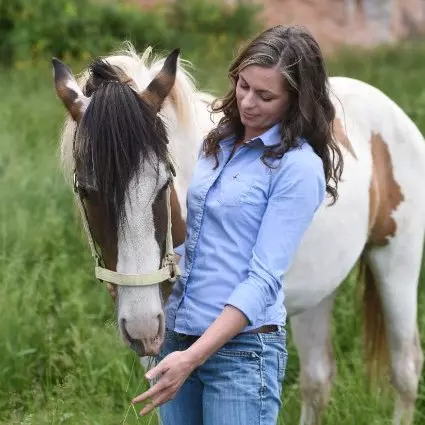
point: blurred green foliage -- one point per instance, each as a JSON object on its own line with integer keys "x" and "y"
{"x": 31, "y": 30}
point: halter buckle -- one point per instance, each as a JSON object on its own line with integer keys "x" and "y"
{"x": 170, "y": 262}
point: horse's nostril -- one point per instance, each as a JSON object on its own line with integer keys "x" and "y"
{"x": 122, "y": 327}
{"x": 124, "y": 331}
{"x": 135, "y": 344}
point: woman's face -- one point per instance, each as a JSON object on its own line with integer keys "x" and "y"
{"x": 261, "y": 98}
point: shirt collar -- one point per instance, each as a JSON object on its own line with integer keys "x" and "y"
{"x": 271, "y": 137}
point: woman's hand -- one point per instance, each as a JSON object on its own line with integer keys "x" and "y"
{"x": 173, "y": 371}
{"x": 177, "y": 366}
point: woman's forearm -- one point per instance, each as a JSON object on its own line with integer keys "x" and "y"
{"x": 228, "y": 324}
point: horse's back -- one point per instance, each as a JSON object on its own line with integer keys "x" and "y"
{"x": 371, "y": 111}
{"x": 384, "y": 156}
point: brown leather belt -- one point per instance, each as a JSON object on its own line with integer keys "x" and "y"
{"x": 265, "y": 329}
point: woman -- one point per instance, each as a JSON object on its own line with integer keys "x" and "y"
{"x": 261, "y": 175}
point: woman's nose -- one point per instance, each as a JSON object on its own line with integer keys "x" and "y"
{"x": 248, "y": 100}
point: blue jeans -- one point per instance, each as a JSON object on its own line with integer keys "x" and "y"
{"x": 241, "y": 384}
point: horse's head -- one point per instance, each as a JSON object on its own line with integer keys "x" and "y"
{"x": 121, "y": 164}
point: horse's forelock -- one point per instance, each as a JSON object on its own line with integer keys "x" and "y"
{"x": 128, "y": 62}
{"x": 116, "y": 135}
{"x": 178, "y": 112}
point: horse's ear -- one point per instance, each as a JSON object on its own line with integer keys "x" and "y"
{"x": 160, "y": 86}
{"x": 68, "y": 90}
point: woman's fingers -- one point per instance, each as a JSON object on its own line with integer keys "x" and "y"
{"x": 150, "y": 393}
{"x": 152, "y": 404}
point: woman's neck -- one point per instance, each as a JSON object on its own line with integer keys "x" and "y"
{"x": 251, "y": 133}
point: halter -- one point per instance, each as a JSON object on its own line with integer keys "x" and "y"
{"x": 169, "y": 268}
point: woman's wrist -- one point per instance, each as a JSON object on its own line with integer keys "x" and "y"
{"x": 196, "y": 355}
{"x": 230, "y": 322}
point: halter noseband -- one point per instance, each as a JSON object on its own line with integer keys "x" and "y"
{"x": 169, "y": 268}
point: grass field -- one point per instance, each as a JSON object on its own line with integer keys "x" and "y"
{"x": 61, "y": 361}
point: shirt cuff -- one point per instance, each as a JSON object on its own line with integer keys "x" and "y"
{"x": 249, "y": 299}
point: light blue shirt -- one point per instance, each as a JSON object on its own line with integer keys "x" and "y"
{"x": 245, "y": 221}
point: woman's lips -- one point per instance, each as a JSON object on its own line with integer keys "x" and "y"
{"x": 248, "y": 116}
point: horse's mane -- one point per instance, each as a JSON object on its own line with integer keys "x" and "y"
{"x": 178, "y": 111}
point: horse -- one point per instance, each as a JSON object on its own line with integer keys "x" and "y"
{"x": 128, "y": 114}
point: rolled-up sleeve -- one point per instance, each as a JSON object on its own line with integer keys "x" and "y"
{"x": 296, "y": 191}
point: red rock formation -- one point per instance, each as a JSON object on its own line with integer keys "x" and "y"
{"x": 334, "y": 22}
{"x": 353, "y": 22}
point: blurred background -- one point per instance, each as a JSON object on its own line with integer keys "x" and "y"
{"x": 61, "y": 360}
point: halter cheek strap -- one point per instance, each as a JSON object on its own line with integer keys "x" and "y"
{"x": 169, "y": 268}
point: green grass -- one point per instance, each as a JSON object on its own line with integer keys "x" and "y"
{"x": 61, "y": 359}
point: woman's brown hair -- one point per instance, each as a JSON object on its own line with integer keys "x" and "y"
{"x": 310, "y": 112}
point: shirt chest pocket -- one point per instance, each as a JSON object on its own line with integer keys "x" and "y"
{"x": 239, "y": 189}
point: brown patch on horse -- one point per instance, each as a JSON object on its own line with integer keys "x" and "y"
{"x": 70, "y": 99}
{"x": 67, "y": 89}
{"x": 160, "y": 217}
{"x": 342, "y": 138}
{"x": 178, "y": 223}
{"x": 158, "y": 89}
{"x": 105, "y": 235}
{"x": 159, "y": 212}
{"x": 161, "y": 85}
{"x": 385, "y": 194}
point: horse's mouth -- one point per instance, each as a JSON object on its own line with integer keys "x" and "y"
{"x": 144, "y": 346}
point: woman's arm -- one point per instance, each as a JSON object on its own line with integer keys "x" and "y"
{"x": 228, "y": 324}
